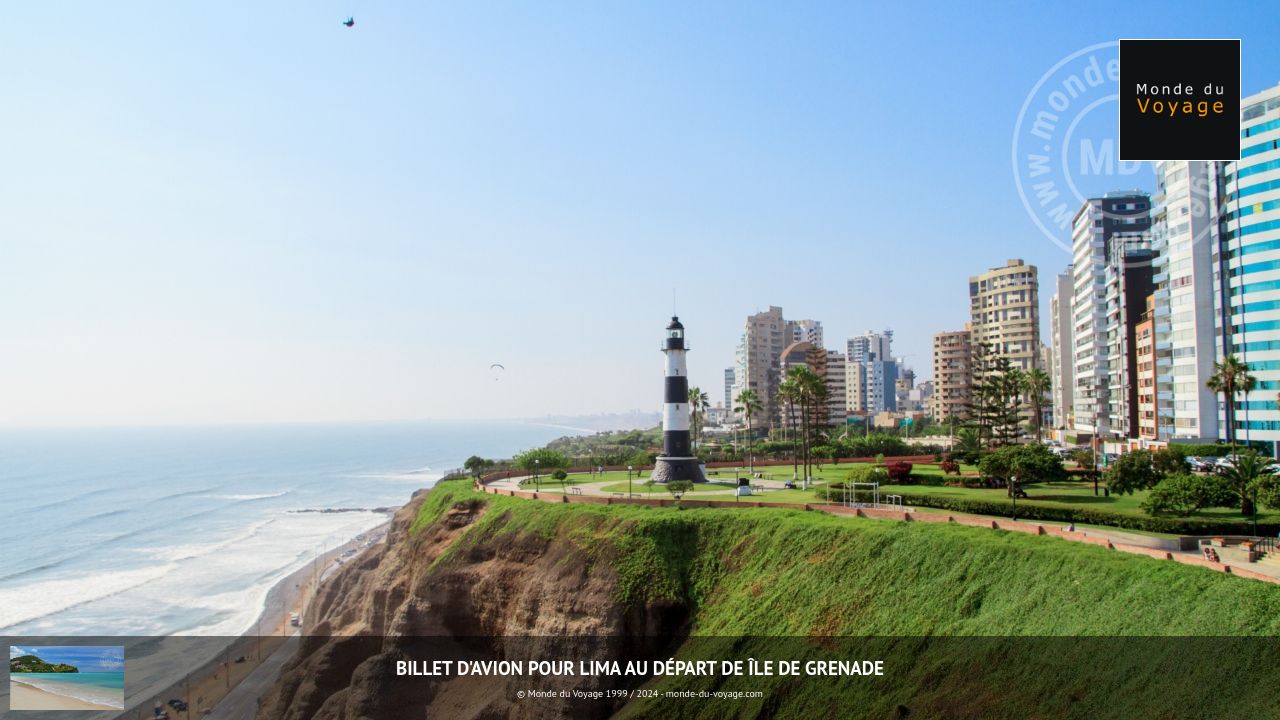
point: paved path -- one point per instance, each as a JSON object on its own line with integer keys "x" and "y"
{"x": 242, "y": 702}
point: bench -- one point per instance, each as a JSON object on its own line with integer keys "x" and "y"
{"x": 619, "y": 495}
{"x": 575, "y": 490}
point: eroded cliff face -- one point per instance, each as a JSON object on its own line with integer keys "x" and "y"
{"x": 450, "y": 590}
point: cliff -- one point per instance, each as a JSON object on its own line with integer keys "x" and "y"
{"x": 478, "y": 576}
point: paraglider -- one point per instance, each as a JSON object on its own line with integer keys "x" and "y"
{"x": 349, "y": 22}
{"x": 496, "y": 370}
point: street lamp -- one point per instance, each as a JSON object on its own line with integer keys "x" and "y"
{"x": 1013, "y": 488}
{"x": 628, "y": 482}
{"x": 537, "y": 486}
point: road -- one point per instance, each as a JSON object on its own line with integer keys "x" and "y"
{"x": 242, "y": 702}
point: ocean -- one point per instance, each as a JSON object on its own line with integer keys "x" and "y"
{"x": 163, "y": 531}
{"x": 101, "y": 688}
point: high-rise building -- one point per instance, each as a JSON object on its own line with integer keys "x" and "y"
{"x": 1128, "y": 284}
{"x": 1004, "y": 313}
{"x": 1145, "y": 345}
{"x": 759, "y": 358}
{"x": 1249, "y": 249}
{"x": 870, "y": 373}
{"x": 805, "y": 331}
{"x": 1063, "y": 364}
{"x": 837, "y": 397}
{"x": 902, "y": 388}
{"x": 1184, "y": 235}
{"x": 952, "y": 375}
{"x": 728, "y": 387}
{"x": 1093, "y": 227}
{"x": 1060, "y": 371}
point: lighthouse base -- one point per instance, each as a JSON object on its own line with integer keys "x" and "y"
{"x": 666, "y": 469}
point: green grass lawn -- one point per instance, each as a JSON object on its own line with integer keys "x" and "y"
{"x": 759, "y": 576}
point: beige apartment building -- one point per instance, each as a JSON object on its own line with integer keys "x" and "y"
{"x": 952, "y": 374}
{"x": 1004, "y": 310}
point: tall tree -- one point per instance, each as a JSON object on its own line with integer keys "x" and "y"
{"x": 788, "y": 394}
{"x": 749, "y": 405}
{"x": 995, "y": 398}
{"x": 699, "y": 403}
{"x": 1244, "y": 475}
{"x": 1036, "y": 383}
{"x": 1231, "y": 376}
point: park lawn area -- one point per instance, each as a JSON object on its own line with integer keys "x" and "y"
{"x": 638, "y": 486}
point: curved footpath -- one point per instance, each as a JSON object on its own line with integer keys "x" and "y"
{"x": 593, "y": 493}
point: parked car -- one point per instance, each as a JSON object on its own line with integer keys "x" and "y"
{"x": 178, "y": 705}
{"x": 1201, "y": 464}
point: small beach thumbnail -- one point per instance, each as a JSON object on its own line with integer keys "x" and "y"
{"x": 69, "y": 677}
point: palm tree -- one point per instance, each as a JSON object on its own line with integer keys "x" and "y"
{"x": 788, "y": 394}
{"x": 1242, "y": 476}
{"x": 811, "y": 391}
{"x": 699, "y": 403}
{"x": 748, "y": 404}
{"x": 1036, "y": 384}
{"x": 1231, "y": 376}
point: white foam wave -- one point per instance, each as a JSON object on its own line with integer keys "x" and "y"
{"x": 261, "y": 496}
{"x": 177, "y": 553}
{"x": 36, "y": 600}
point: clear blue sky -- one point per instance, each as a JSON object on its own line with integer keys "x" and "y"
{"x": 222, "y": 212}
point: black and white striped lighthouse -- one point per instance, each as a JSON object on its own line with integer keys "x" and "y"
{"x": 677, "y": 461}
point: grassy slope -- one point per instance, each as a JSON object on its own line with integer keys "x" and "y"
{"x": 772, "y": 572}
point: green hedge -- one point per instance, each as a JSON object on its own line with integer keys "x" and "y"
{"x": 1170, "y": 525}
{"x": 1173, "y": 526}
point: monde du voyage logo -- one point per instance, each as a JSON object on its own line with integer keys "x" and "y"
{"x": 1179, "y": 100}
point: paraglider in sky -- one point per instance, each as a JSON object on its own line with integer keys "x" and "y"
{"x": 349, "y": 22}
{"x": 496, "y": 370}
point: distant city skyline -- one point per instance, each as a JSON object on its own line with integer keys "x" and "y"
{"x": 248, "y": 213}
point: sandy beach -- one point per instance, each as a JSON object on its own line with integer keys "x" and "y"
{"x": 25, "y": 697}
{"x": 203, "y": 687}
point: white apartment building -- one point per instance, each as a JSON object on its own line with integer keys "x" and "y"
{"x": 1184, "y": 235}
{"x": 1250, "y": 245}
{"x": 1060, "y": 371}
{"x": 1095, "y": 224}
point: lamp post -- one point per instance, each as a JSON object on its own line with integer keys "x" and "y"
{"x": 628, "y": 482}
{"x": 537, "y": 486}
{"x": 1013, "y": 488}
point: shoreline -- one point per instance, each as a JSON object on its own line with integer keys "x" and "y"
{"x": 23, "y": 696}
{"x": 204, "y": 686}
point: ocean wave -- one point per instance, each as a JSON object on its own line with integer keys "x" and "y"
{"x": 178, "y": 553}
{"x": 249, "y": 497}
{"x": 48, "y": 597}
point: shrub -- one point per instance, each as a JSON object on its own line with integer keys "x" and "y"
{"x": 559, "y": 475}
{"x": 865, "y": 473}
{"x": 1184, "y": 493}
{"x": 899, "y": 472}
{"x": 1028, "y": 463}
{"x": 1131, "y": 471}
{"x": 1169, "y": 461}
{"x": 949, "y": 467}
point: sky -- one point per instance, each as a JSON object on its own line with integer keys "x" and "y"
{"x": 87, "y": 658}
{"x": 246, "y": 212}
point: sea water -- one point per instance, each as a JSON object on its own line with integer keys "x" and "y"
{"x": 185, "y": 530}
{"x": 101, "y": 688}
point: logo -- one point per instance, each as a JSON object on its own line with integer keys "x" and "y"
{"x": 1180, "y": 99}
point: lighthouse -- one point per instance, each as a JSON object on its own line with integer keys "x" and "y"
{"x": 677, "y": 461}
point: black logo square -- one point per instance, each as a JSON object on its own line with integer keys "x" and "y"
{"x": 1179, "y": 99}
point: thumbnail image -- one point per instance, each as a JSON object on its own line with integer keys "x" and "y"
{"x": 82, "y": 677}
